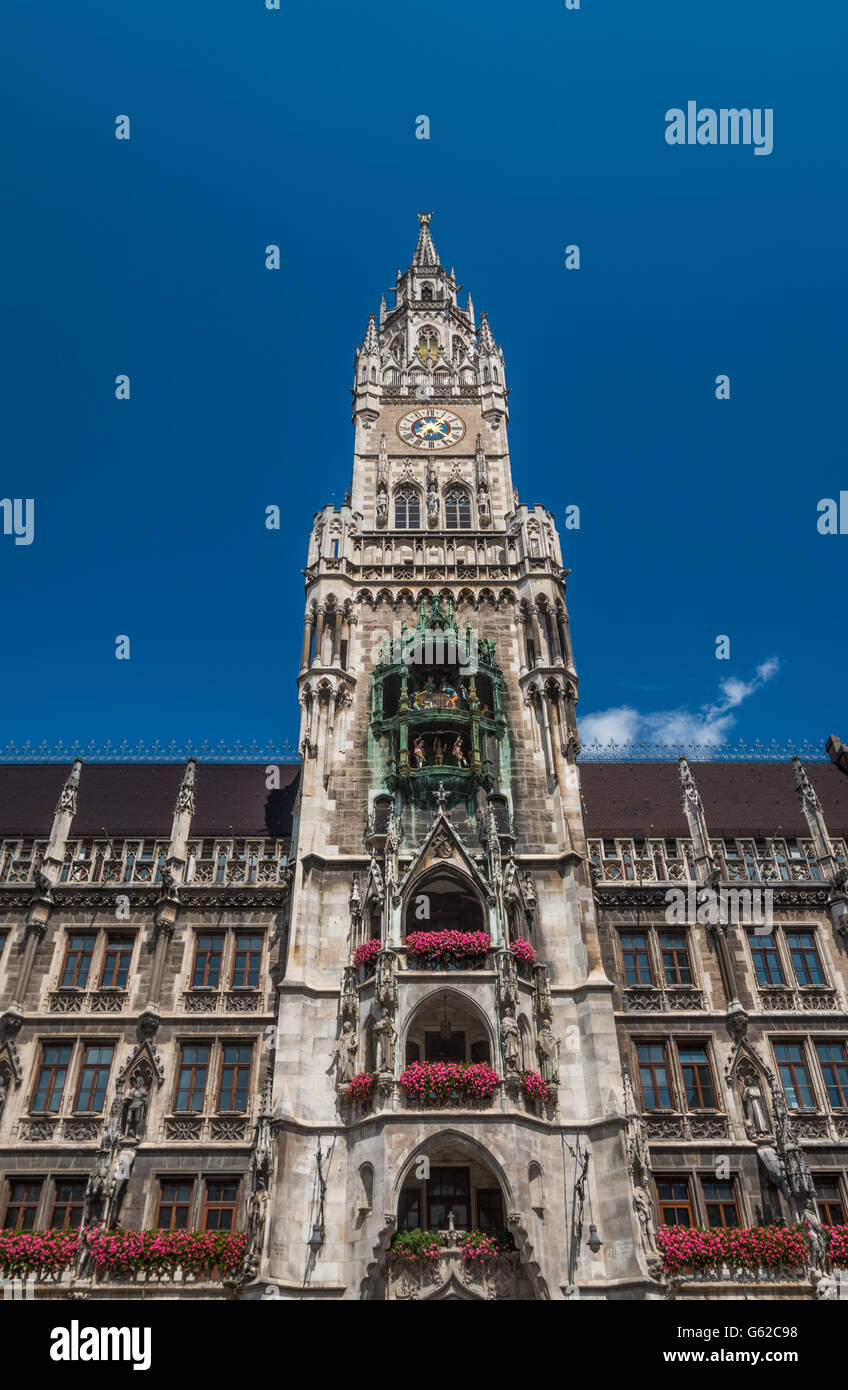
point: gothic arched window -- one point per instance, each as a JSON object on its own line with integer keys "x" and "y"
{"x": 427, "y": 293}
{"x": 457, "y": 509}
{"x": 428, "y": 346}
{"x": 407, "y": 508}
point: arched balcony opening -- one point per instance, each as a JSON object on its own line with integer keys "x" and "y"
{"x": 447, "y": 1027}
{"x": 443, "y": 902}
{"x": 457, "y": 1187}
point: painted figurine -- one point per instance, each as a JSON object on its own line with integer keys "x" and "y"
{"x": 458, "y": 755}
{"x": 419, "y": 757}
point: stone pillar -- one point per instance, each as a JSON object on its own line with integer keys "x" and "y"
{"x": 308, "y": 625}
{"x": 319, "y": 637}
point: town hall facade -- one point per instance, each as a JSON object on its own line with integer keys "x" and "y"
{"x": 411, "y": 1018}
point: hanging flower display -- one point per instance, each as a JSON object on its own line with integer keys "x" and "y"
{"x": 534, "y": 1085}
{"x": 440, "y": 1081}
{"x": 368, "y": 953}
{"x": 361, "y": 1086}
{"x": 448, "y": 947}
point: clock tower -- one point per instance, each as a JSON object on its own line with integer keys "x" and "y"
{"x": 446, "y": 1069}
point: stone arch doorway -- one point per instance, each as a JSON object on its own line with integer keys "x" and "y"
{"x": 452, "y": 1184}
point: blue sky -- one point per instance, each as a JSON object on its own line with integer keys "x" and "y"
{"x": 698, "y": 517}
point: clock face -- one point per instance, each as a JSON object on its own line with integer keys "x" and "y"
{"x": 431, "y": 429}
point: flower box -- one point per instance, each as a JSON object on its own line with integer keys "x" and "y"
{"x": 448, "y": 949}
{"x": 362, "y": 1086}
{"x": 524, "y": 953}
{"x": 534, "y": 1085}
{"x": 688, "y": 1249}
{"x": 440, "y": 1082}
{"x": 366, "y": 954}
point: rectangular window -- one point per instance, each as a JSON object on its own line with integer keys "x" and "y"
{"x": 805, "y": 958}
{"x": 697, "y": 1076}
{"x": 68, "y": 1199}
{"x": 637, "y": 960}
{"x": 829, "y": 1199}
{"x": 246, "y": 962}
{"x": 94, "y": 1076}
{"x": 675, "y": 958}
{"x": 439, "y": 1049}
{"x": 116, "y": 962}
{"x": 674, "y": 1201}
{"x": 449, "y": 1190}
{"x": 653, "y": 1071}
{"x": 220, "y": 1200}
{"x": 794, "y": 1076}
{"x": 766, "y": 960}
{"x": 489, "y": 1209}
{"x": 174, "y": 1204}
{"x": 78, "y": 953}
{"x": 52, "y": 1075}
{"x": 720, "y": 1199}
{"x": 235, "y": 1075}
{"x": 191, "y": 1076}
{"x": 833, "y": 1060}
{"x": 207, "y": 961}
{"x": 22, "y": 1206}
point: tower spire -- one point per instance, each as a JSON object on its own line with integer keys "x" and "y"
{"x": 425, "y": 252}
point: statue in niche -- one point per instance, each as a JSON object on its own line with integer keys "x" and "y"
{"x": 135, "y": 1110}
{"x": 457, "y": 754}
{"x": 547, "y": 1051}
{"x": 4, "y": 1092}
{"x": 439, "y": 748}
{"x": 384, "y": 1031}
{"x": 382, "y": 509}
{"x": 451, "y": 697}
{"x": 507, "y": 979}
{"x": 350, "y": 994}
{"x": 510, "y": 1041}
{"x": 346, "y": 1049}
{"x": 419, "y": 757}
{"x": 483, "y": 509}
{"x": 754, "y": 1108}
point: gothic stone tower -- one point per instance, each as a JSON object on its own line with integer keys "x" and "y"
{"x": 439, "y": 792}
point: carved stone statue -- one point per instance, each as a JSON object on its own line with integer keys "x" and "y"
{"x": 384, "y": 1031}
{"x": 432, "y": 509}
{"x": 816, "y": 1236}
{"x": 547, "y": 1050}
{"x": 346, "y": 1049}
{"x": 4, "y": 1093}
{"x": 756, "y": 1116}
{"x": 510, "y": 1041}
{"x": 382, "y": 509}
{"x": 507, "y": 979}
{"x": 135, "y": 1111}
{"x": 350, "y": 994}
{"x": 385, "y": 986}
{"x": 644, "y": 1211}
{"x": 484, "y": 510}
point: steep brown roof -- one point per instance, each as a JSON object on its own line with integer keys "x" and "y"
{"x": 139, "y": 798}
{"x": 756, "y": 799}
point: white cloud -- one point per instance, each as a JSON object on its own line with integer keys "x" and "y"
{"x": 710, "y": 724}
